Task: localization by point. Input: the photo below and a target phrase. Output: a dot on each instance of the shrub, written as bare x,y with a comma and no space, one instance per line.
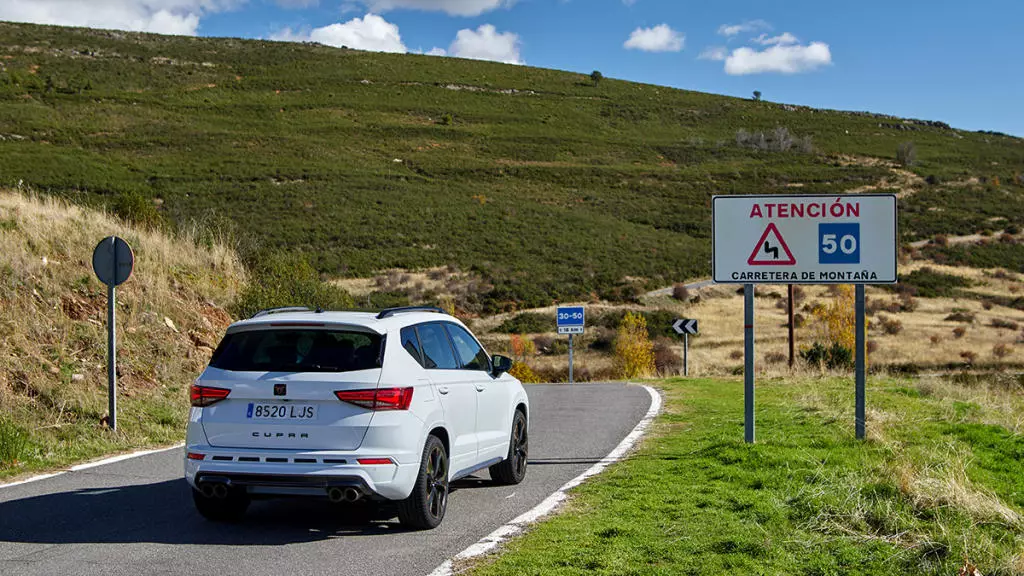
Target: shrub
666,360
1001,350
681,292
13,442
871,346
521,348
891,326
906,154
987,304
935,339
133,207
775,358
799,320
836,320
959,332
596,77
1004,323
832,357
544,343
527,323
969,356
604,339
757,95
524,373
735,354
960,316
929,283
634,352
284,279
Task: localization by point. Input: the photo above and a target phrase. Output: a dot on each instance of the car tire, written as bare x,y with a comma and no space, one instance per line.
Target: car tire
425,507
230,509
512,469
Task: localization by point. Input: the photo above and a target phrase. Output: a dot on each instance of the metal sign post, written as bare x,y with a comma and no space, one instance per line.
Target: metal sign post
571,320
748,363
113,262
807,239
685,327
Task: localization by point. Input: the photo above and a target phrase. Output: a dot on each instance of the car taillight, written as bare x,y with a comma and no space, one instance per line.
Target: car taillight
206,395
378,399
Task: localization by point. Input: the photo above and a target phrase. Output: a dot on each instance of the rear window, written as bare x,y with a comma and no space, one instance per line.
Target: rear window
298,351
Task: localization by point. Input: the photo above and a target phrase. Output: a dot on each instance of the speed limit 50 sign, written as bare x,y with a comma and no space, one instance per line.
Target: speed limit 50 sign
844,239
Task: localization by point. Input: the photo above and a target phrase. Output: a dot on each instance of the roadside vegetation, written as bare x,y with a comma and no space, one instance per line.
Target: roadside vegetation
935,489
534,185
53,388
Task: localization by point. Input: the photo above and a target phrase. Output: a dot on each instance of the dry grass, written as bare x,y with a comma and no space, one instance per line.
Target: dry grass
53,314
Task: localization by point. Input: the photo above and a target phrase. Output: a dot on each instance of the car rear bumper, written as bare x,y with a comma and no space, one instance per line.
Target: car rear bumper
300,473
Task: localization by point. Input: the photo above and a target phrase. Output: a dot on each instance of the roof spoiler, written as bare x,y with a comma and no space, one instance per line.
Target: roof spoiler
282,309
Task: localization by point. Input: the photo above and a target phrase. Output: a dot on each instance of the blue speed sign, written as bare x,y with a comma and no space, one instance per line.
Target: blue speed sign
570,320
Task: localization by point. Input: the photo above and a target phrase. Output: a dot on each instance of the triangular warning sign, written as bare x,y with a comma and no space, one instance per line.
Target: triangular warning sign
771,250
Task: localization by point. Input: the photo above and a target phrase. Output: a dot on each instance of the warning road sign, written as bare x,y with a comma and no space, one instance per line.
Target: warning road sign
769,250
811,239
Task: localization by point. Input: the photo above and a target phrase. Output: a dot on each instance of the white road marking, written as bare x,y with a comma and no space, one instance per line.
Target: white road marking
89,465
551,503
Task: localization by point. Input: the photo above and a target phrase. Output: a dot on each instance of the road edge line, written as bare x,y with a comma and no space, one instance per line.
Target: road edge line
88,465
554,501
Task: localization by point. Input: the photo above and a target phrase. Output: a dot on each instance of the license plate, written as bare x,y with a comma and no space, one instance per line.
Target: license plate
268,411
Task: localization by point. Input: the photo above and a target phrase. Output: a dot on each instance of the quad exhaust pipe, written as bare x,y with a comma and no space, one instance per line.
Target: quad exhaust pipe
214,490
338,495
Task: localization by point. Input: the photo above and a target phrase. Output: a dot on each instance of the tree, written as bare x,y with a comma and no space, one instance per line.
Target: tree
634,351
596,77
906,154
757,95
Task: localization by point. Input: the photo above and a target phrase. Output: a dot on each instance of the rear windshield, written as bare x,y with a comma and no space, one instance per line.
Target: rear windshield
298,351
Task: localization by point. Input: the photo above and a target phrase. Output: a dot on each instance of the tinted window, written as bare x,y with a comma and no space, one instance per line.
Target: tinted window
411,343
298,351
437,352
471,355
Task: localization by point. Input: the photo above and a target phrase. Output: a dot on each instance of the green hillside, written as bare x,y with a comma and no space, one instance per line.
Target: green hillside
538,183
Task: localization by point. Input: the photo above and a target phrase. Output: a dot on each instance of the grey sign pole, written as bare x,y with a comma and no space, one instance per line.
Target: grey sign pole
686,354
570,358
113,261
860,376
748,363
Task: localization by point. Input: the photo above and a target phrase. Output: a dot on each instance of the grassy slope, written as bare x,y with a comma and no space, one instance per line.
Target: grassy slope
558,191
938,481
53,316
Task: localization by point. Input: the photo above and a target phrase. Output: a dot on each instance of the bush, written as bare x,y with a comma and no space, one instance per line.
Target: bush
666,360
960,316
604,339
134,207
681,292
935,339
928,283
833,357
959,332
544,343
634,352
906,154
891,326
836,320
969,356
1001,350
282,279
1004,323
735,354
13,443
521,348
596,77
524,373
527,323
775,358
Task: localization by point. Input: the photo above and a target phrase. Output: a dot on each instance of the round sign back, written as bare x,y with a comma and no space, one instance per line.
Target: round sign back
113,261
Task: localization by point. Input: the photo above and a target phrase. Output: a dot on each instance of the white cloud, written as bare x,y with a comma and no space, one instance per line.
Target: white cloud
486,43
716,53
729,30
453,7
435,51
661,38
788,59
162,16
370,32
782,39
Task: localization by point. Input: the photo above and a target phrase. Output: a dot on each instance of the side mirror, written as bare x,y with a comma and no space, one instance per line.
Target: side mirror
500,365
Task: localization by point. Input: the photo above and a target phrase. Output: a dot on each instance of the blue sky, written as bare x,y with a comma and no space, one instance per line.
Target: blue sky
955,61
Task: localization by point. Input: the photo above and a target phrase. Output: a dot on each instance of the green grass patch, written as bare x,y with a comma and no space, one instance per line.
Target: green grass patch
939,481
929,283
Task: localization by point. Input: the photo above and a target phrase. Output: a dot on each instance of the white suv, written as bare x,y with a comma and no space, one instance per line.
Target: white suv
388,406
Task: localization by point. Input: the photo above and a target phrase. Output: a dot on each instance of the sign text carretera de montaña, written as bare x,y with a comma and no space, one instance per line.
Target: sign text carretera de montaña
845,239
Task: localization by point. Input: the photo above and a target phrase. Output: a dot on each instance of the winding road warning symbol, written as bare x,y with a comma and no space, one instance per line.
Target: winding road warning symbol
771,250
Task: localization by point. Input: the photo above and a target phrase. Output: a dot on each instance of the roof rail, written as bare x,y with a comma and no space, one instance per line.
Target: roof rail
279,310
389,312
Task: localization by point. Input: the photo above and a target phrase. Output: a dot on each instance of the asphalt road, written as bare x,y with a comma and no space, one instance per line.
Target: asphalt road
136,516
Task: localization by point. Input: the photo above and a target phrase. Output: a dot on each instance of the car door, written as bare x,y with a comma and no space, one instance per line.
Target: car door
457,392
492,409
